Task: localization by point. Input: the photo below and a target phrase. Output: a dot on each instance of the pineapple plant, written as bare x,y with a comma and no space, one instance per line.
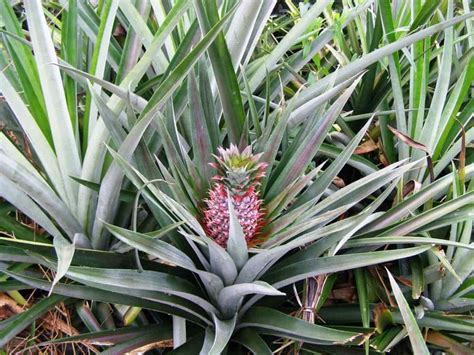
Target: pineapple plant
134,220
237,182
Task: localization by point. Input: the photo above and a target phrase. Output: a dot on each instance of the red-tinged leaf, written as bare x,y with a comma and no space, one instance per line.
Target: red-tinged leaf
449,345
338,182
226,79
462,154
417,145
200,134
292,166
408,141
383,155
366,147
411,186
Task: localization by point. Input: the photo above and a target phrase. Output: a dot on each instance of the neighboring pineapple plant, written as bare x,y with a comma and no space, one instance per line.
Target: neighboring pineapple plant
220,177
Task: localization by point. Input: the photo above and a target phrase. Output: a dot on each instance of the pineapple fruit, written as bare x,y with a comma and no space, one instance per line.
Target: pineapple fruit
238,177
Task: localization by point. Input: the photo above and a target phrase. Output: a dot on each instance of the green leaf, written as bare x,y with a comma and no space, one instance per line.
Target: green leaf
38,141
406,239
286,199
416,338
362,296
222,263
55,99
135,101
442,258
166,252
92,169
223,331
430,215
280,277
89,23
417,277
273,322
146,337
343,314
111,336
462,268
201,140
11,226
230,297
154,246
111,121
19,322
252,341
236,244
365,166
98,63
65,252
69,49
26,69
363,62
395,75
179,331
111,183
13,194
226,80
430,131
290,39
125,195
141,34
271,141
144,280
40,192
323,181
294,165
82,256
190,346
166,304
362,188
239,35
259,263
411,203
306,111
208,104
174,79
424,14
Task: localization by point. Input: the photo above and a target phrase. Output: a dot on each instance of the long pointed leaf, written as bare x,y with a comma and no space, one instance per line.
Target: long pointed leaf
56,105
416,338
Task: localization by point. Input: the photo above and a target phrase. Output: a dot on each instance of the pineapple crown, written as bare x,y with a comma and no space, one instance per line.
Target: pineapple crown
238,170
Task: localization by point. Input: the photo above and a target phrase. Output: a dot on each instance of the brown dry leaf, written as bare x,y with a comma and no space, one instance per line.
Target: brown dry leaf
158,345
382,317
52,321
408,141
366,147
411,186
338,182
346,294
404,281
382,156
8,307
414,144
462,154
450,345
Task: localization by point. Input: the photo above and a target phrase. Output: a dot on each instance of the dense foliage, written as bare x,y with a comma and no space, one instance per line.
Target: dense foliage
233,176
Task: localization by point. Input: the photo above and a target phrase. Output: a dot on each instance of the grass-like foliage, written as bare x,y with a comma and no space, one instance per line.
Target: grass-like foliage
232,176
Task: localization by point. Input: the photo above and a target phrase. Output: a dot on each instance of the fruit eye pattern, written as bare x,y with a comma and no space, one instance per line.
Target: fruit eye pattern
238,180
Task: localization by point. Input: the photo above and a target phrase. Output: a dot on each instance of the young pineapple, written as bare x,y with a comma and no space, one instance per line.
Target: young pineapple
238,176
